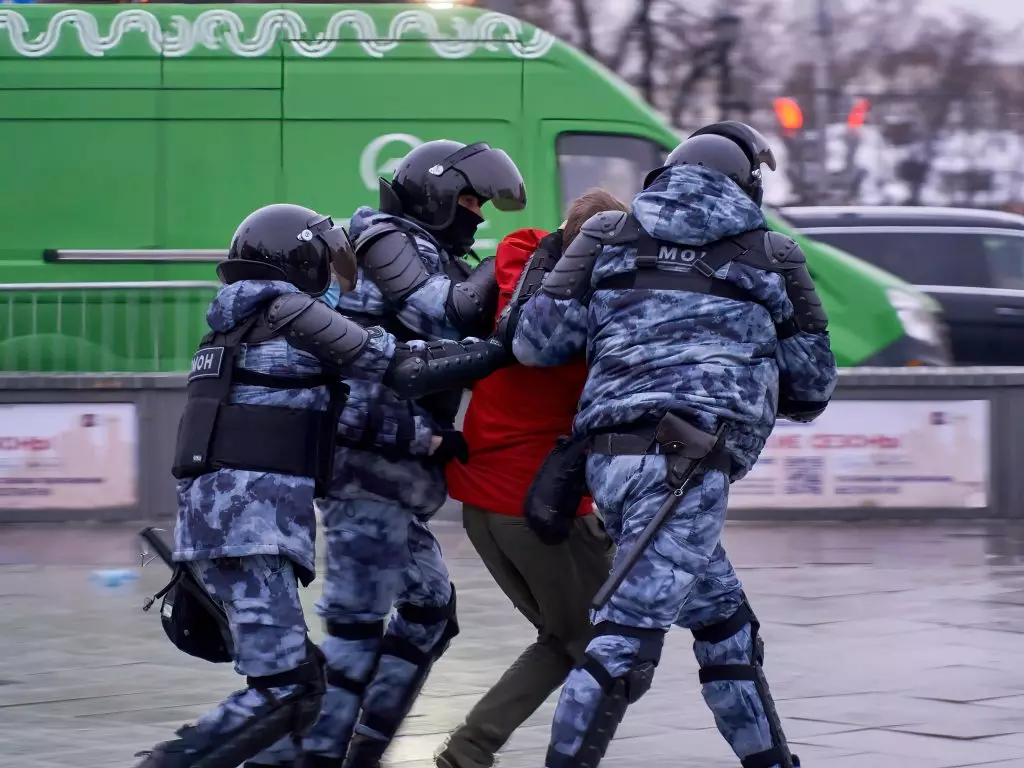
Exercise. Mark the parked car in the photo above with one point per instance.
(971, 261)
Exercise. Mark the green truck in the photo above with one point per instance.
(135, 138)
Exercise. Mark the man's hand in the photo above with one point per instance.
(447, 445)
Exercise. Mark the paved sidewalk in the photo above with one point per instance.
(887, 647)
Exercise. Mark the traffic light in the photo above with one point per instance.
(790, 116)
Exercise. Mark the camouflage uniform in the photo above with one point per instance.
(380, 551)
(251, 534)
(651, 352)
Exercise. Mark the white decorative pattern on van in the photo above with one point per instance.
(224, 30)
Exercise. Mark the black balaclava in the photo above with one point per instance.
(458, 236)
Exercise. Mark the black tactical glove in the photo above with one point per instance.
(453, 446)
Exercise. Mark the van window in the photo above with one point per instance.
(920, 258)
(1005, 255)
(613, 162)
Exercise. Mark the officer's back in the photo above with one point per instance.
(692, 305)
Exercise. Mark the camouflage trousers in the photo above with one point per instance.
(379, 555)
(260, 595)
(683, 579)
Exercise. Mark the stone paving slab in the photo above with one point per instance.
(887, 647)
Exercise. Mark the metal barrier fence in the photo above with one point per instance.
(119, 326)
(894, 444)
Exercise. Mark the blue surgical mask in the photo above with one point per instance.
(333, 295)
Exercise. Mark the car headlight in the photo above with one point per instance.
(917, 320)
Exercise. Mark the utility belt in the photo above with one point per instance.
(674, 437)
(560, 484)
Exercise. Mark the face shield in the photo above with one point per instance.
(751, 139)
(340, 252)
(490, 174)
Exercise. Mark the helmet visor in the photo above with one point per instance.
(492, 175)
(340, 252)
(751, 139)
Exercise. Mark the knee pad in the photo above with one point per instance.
(367, 630)
(778, 753)
(617, 694)
(365, 752)
(429, 615)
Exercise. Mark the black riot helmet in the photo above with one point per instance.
(732, 148)
(428, 181)
(290, 243)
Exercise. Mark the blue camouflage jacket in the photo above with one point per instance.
(653, 351)
(234, 513)
(412, 482)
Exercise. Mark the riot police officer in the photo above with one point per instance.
(255, 444)
(380, 550)
(700, 327)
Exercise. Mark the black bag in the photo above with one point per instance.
(555, 494)
(192, 620)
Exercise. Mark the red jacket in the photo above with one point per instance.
(516, 413)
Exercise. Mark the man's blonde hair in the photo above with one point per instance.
(590, 203)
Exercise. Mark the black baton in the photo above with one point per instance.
(616, 577)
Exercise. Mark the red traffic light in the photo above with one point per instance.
(790, 116)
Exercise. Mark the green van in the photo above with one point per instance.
(135, 138)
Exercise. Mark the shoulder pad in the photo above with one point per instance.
(284, 309)
(310, 325)
(373, 233)
(605, 225)
(391, 259)
(783, 249)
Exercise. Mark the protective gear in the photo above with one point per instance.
(788, 259)
(542, 261)
(472, 303)
(429, 180)
(617, 693)
(215, 433)
(570, 279)
(753, 671)
(389, 255)
(369, 630)
(672, 267)
(292, 714)
(365, 751)
(293, 244)
(713, 146)
(443, 365)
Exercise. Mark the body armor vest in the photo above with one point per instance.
(216, 434)
(666, 266)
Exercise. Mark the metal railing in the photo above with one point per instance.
(118, 327)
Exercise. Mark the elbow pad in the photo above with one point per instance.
(570, 279)
(390, 259)
(310, 325)
(788, 259)
(471, 304)
(443, 365)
